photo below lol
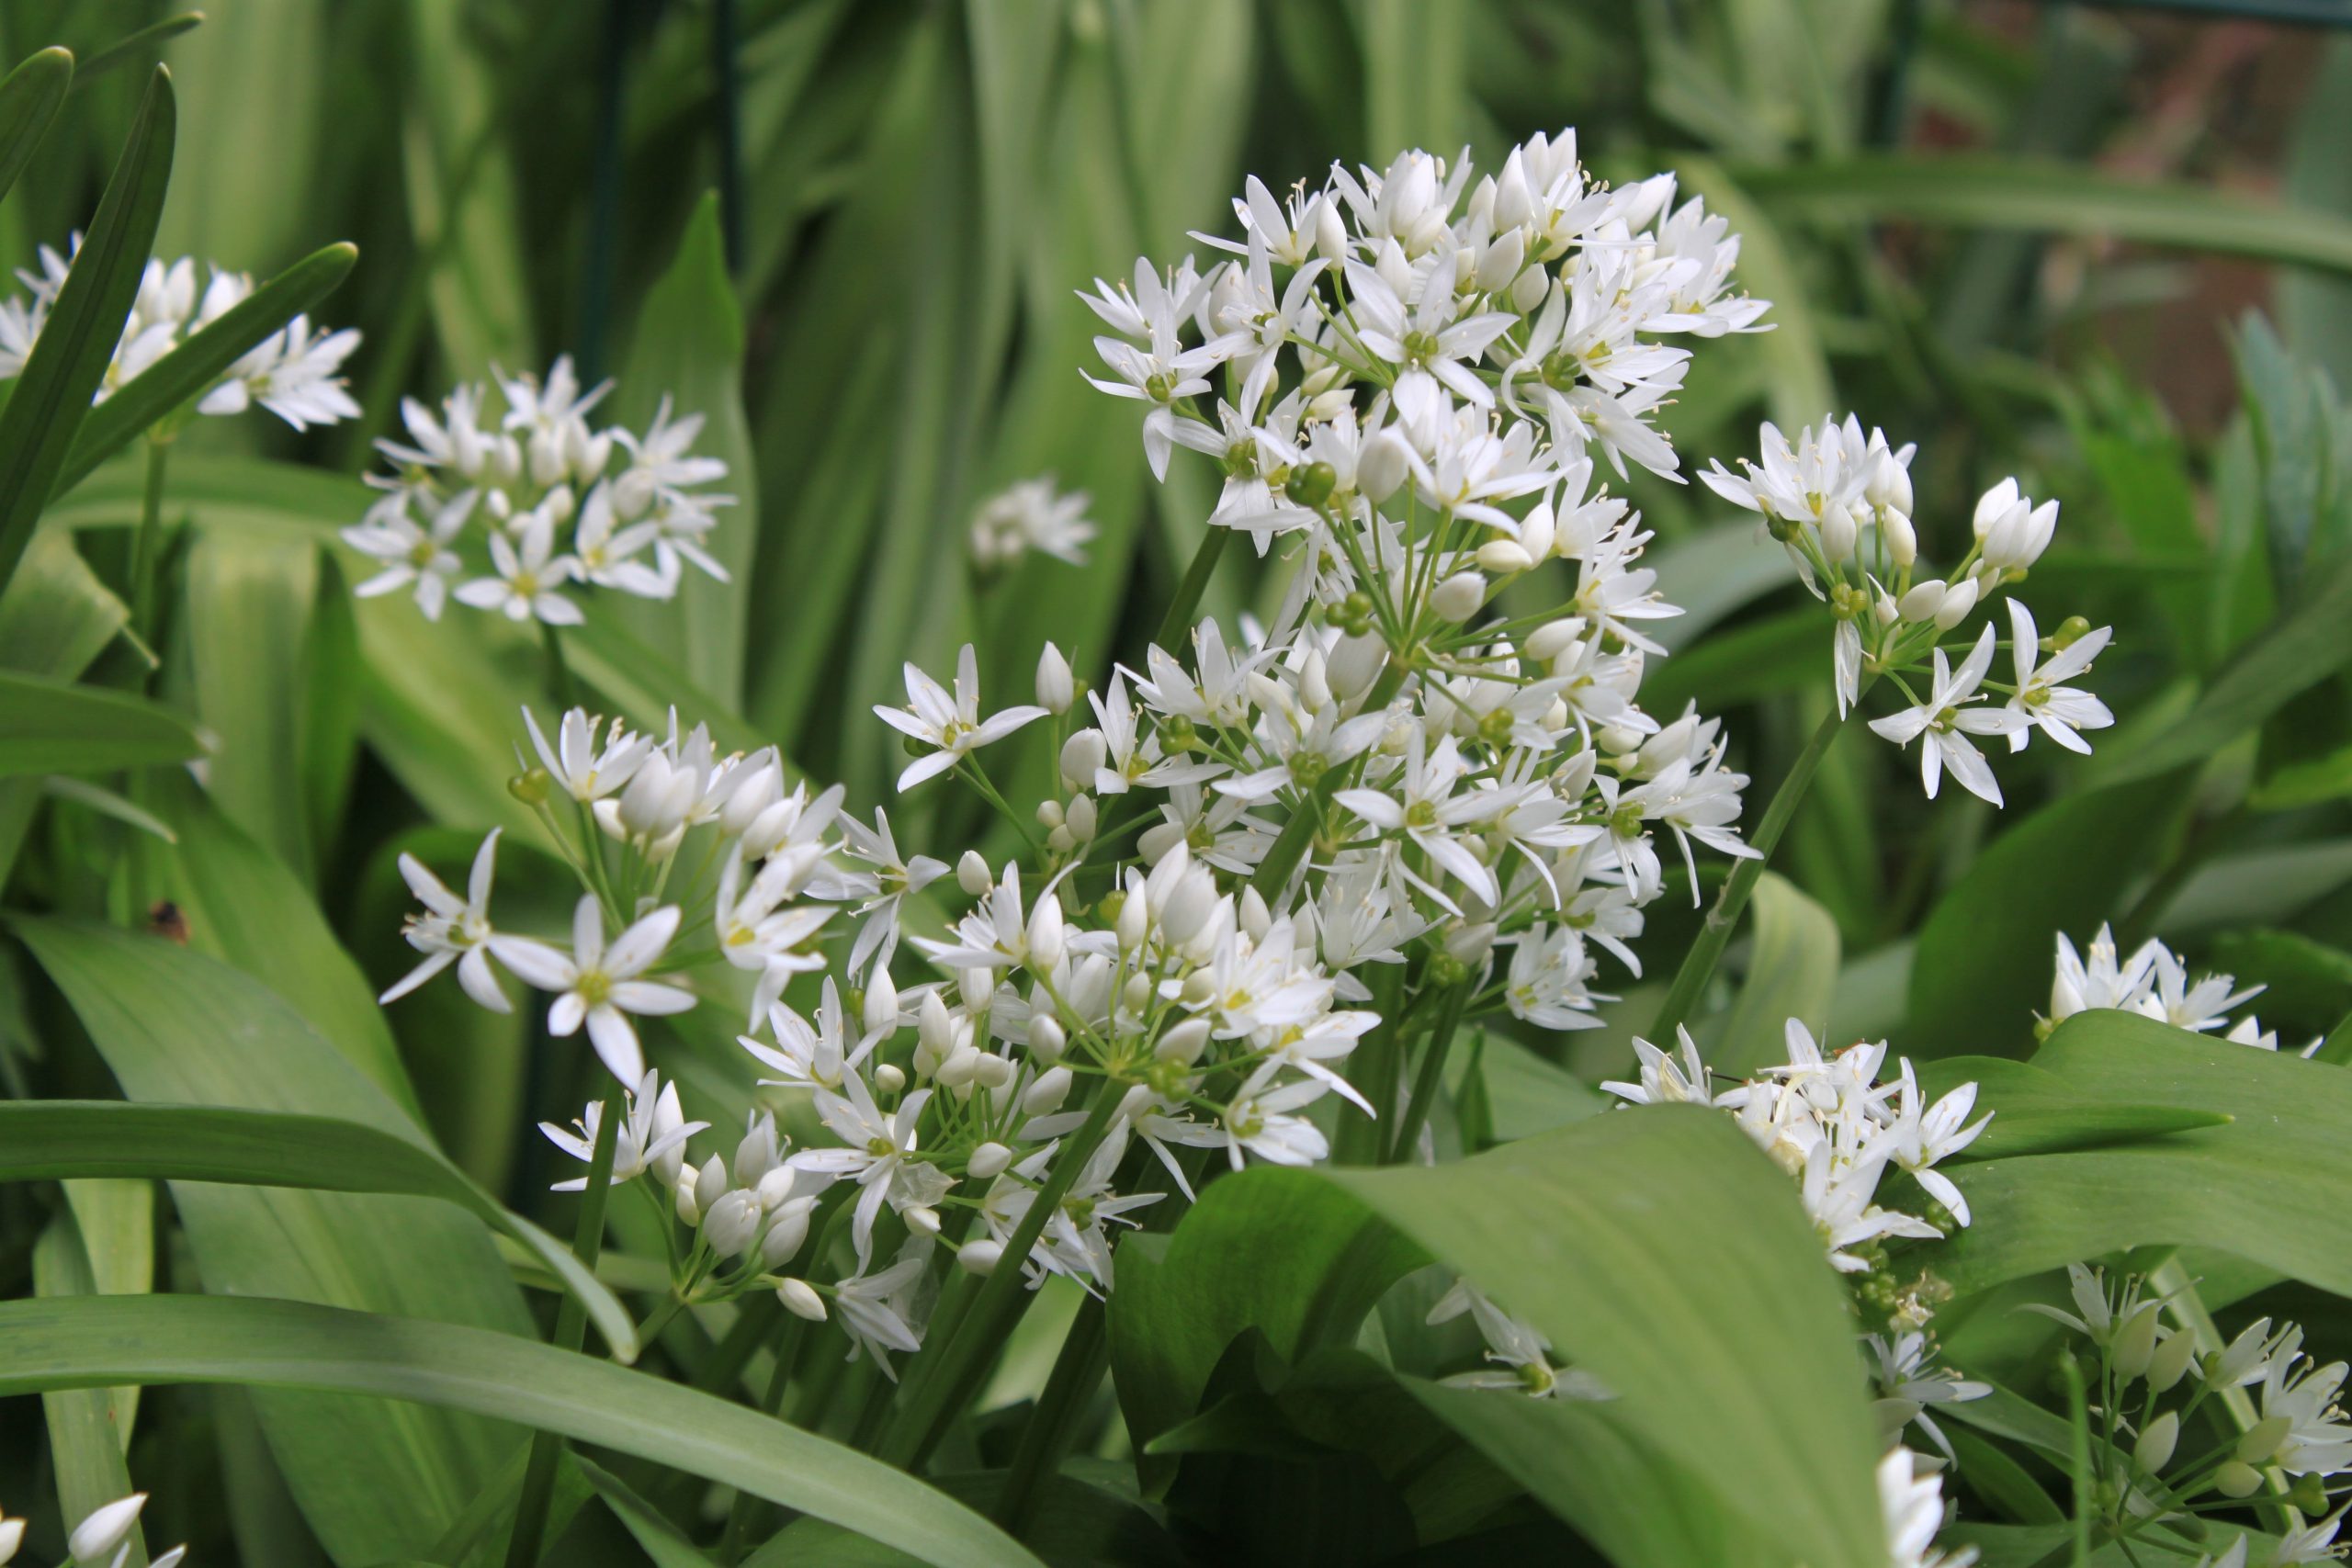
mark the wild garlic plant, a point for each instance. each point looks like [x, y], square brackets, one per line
[521, 507]
[2153, 982]
[102, 1539]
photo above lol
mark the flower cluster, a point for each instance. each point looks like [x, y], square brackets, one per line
[1840, 502]
[293, 373]
[101, 1540]
[1031, 515]
[2153, 982]
[2292, 1442]
[563, 506]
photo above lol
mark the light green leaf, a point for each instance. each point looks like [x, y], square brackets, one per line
[117, 1221]
[248, 610]
[52, 397]
[88, 1428]
[293, 1345]
[50, 726]
[1792, 963]
[28, 101]
[66, 1139]
[1997, 192]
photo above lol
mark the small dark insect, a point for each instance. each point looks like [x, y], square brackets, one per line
[168, 920]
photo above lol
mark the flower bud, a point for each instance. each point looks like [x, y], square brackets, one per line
[710, 1181]
[2172, 1357]
[2158, 1440]
[1553, 638]
[881, 1008]
[1255, 918]
[980, 1257]
[889, 1078]
[1923, 600]
[1047, 1041]
[102, 1534]
[1046, 1096]
[1458, 597]
[972, 873]
[1504, 556]
[1959, 600]
[1331, 234]
[775, 1189]
[1188, 907]
[1499, 266]
[12, 1538]
[668, 1117]
[757, 1154]
[923, 1219]
[2135, 1343]
[689, 1211]
[988, 1162]
[1839, 534]
[1382, 465]
[732, 1224]
[1046, 932]
[1184, 1043]
[1082, 753]
[1902, 539]
[801, 1300]
[2237, 1480]
[2262, 1440]
[782, 1243]
[1355, 663]
[1528, 289]
[1056, 687]
[1082, 819]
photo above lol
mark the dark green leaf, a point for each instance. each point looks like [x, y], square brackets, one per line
[28, 101]
[50, 726]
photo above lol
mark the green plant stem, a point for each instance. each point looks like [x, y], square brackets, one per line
[1698, 963]
[1297, 833]
[959, 1363]
[570, 1330]
[147, 545]
[2172, 1285]
[1077, 1371]
[1372, 1069]
[1175, 624]
[1432, 1074]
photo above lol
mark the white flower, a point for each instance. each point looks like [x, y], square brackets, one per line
[292, 374]
[575, 764]
[600, 985]
[1912, 1503]
[607, 553]
[1665, 1080]
[1522, 1355]
[1261, 1120]
[452, 930]
[652, 1135]
[1029, 516]
[953, 724]
[894, 879]
[1946, 721]
[416, 554]
[528, 578]
[2043, 697]
[1427, 810]
[877, 1311]
[2010, 530]
[878, 1152]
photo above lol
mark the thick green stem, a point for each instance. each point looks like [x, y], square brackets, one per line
[147, 547]
[949, 1379]
[1078, 1373]
[1432, 1074]
[1176, 625]
[1699, 964]
[570, 1328]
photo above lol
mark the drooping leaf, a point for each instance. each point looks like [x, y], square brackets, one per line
[293, 1345]
[52, 726]
[66, 1139]
[52, 397]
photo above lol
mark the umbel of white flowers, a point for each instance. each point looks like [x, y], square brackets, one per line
[522, 514]
[293, 373]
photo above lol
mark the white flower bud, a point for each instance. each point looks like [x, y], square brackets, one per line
[2135, 1343]
[559, 505]
[689, 1211]
[1902, 539]
[1356, 663]
[102, 1534]
[1082, 819]
[1156, 840]
[1959, 600]
[1923, 600]
[506, 459]
[757, 1154]
[1471, 943]
[1458, 597]
[1046, 1096]
[881, 1009]
[668, 1117]
[980, 1257]
[923, 1220]
[732, 1224]
[1502, 558]
[710, 1181]
[782, 1243]
[1047, 1041]
[1499, 266]
[1255, 918]
[1184, 1043]
[1188, 908]
[889, 1078]
[1135, 994]
[1839, 534]
[2172, 1358]
[988, 1162]
[1527, 290]
[1330, 233]
[775, 1189]
[1382, 465]
[2237, 1479]
[994, 1071]
[1538, 532]
[1553, 638]
[761, 788]
[961, 1067]
[1315, 682]
[1082, 753]
[972, 873]
[12, 1538]
[1055, 688]
[546, 458]
[2260, 1444]
[934, 1026]
[801, 1300]
[2158, 1440]
[1046, 932]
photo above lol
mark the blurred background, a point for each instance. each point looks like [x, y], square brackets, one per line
[2106, 248]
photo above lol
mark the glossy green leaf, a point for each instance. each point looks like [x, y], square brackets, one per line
[65, 1139]
[51, 726]
[1984, 957]
[29, 96]
[1999, 192]
[178, 1027]
[2274, 1186]
[51, 400]
[201, 361]
[294, 1344]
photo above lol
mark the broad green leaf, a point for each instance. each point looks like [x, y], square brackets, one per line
[1999, 192]
[51, 726]
[198, 363]
[88, 1428]
[248, 608]
[689, 354]
[294, 1344]
[245, 191]
[463, 196]
[117, 1220]
[178, 1027]
[28, 100]
[1760, 658]
[66, 1139]
[2274, 1187]
[1713, 574]
[1531, 1095]
[1414, 95]
[57, 616]
[1613, 1236]
[2146, 480]
[1984, 957]
[1793, 956]
[52, 397]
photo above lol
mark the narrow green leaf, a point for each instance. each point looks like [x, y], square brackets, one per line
[51, 726]
[1997, 192]
[146, 41]
[28, 101]
[52, 398]
[195, 365]
[65, 1139]
[88, 1428]
[293, 1345]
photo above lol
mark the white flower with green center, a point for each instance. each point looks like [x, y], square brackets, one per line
[524, 587]
[2043, 699]
[410, 554]
[1945, 721]
[950, 722]
[453, 930]
[601, 986]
